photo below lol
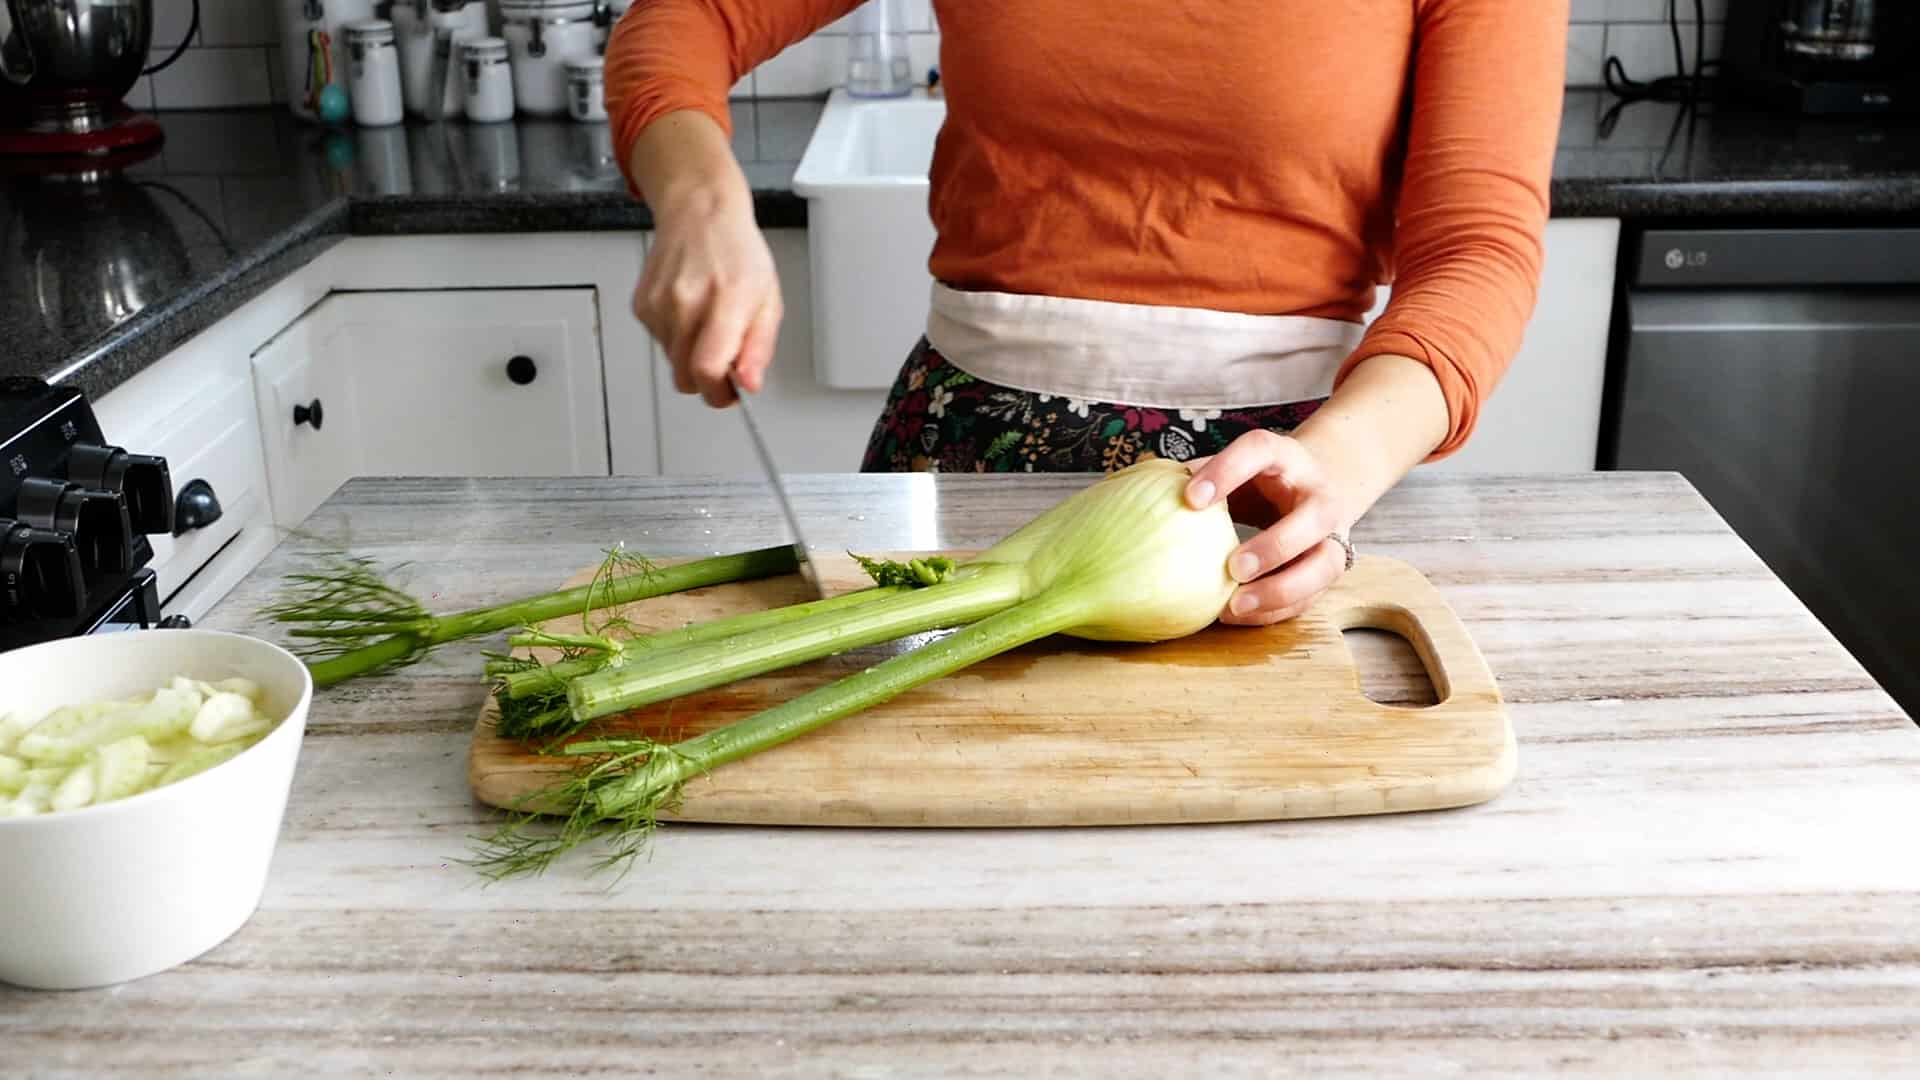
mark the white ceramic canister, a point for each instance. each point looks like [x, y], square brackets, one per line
[489, 80]
[373, 68]
[313, 46]
[414, 22]
[587, 89]
[541, 36]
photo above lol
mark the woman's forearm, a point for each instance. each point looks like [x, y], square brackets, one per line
[684, 159]
[1387, 416]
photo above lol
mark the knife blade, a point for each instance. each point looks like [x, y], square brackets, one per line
[801, 551]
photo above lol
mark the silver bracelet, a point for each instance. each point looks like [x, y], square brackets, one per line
[1345, 545]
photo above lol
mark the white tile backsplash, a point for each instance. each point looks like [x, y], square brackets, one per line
[171, 18]
[925, 51]
[1637, 32]
[809, 66]
[237, 22]
[1645, 50]
[1586, 52]
[277, 74]
[212, 78]
[232, 58]
[1612, 11]
[141, 96]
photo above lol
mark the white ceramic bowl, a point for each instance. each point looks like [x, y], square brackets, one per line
[108, 893]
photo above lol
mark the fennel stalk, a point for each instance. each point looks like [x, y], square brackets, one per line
[1124, 559]
[353, 623]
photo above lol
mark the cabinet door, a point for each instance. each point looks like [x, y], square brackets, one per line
[302, 383]
[483, 382]
[810, 427]
[479, 382]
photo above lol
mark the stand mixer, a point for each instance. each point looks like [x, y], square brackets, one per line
[65, 68]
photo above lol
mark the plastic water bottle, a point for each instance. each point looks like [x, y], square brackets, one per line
[878, 65]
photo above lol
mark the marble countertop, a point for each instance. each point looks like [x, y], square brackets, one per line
[1704, 864]
[99, 279]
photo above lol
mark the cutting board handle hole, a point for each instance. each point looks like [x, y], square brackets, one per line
[1391, 672]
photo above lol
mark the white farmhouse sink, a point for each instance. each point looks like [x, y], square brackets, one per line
[864, 176]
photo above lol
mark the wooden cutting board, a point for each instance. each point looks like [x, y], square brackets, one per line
[1231, 724]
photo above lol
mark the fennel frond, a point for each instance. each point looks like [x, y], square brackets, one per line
[619, 795]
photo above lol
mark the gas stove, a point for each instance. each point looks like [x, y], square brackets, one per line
[75, 514]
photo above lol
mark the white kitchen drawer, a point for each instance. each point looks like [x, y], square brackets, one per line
[213, 577]
[195, 408]
[221, 445]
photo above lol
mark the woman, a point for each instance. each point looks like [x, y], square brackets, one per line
[1159, 226]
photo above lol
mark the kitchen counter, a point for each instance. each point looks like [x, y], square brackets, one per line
[1704, 864]
[97, 280]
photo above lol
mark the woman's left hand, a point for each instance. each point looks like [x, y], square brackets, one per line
[1274, 480]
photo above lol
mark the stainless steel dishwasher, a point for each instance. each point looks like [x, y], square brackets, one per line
[1779, 371]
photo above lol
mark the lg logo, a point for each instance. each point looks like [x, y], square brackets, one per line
[1682, 260]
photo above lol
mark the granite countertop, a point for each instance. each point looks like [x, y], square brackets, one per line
[1704, 861]
[126, 268]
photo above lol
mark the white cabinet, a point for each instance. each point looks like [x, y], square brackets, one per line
[195, 408]
[464, 382]
[216, 444]
[1544, 415]
[810, 428]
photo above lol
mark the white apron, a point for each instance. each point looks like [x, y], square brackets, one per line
[1138, 354]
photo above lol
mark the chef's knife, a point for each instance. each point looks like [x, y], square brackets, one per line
[800, 549]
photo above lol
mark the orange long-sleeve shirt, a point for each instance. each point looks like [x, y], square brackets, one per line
[1242, 155]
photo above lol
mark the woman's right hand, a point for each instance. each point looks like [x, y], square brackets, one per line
[709, 294]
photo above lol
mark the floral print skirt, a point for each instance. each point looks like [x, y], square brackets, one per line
[938, 418]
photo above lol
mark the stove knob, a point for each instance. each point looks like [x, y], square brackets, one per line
[141, 479]
[98, 520]
[95, 517]
[38, 502]
[94, 466]
[197, 507]
[40, 573]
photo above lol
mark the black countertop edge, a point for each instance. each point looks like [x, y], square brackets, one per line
[407, 215]
[1712, 202]
[404, 215]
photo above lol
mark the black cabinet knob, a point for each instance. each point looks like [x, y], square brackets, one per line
[308, 414]
[196, 508]
[522, 369]
[176, 622]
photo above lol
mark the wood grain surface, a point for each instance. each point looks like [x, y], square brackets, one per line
[1230, 724]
